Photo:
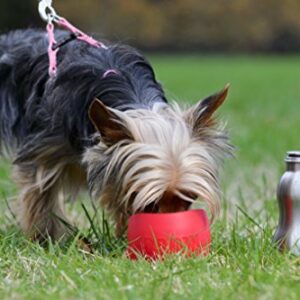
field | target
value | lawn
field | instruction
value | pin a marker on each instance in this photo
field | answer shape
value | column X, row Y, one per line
column 262, row 117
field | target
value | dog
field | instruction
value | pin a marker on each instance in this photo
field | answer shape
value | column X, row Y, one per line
column 102, row 124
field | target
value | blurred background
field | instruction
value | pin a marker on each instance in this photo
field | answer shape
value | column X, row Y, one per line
column 231, row 26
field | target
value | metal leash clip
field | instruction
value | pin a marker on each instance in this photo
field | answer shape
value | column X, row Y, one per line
column 47, row 12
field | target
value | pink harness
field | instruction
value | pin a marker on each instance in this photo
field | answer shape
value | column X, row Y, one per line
column 48, row 13
column 52, row 51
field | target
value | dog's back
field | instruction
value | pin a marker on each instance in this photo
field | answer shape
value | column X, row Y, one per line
column 33, row 104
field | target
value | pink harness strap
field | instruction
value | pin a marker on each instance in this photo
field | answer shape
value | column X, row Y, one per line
column 110, row 72
column 52, row 53
column 80, row 35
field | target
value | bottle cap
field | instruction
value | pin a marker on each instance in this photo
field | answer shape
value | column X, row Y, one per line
column 293, row 156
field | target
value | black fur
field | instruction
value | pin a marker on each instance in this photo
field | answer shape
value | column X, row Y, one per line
column 37, row 111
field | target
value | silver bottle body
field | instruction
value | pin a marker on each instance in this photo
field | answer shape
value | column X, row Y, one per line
column 287, row 235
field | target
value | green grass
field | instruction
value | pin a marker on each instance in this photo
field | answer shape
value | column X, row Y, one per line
column 262, row 118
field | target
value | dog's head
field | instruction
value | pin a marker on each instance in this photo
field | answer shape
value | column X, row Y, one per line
column 158, row 160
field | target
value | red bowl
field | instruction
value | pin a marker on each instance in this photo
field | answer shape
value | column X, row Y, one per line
column 153, row 235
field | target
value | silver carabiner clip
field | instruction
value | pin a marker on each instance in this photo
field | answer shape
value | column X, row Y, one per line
column 47, row 12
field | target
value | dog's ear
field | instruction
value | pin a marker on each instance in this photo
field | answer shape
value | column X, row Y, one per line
column 201, row 114
column 107, row 123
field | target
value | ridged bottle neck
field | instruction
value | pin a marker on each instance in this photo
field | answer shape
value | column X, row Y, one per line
column 293, row 161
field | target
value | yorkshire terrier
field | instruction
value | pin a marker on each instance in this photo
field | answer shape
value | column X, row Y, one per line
column 102, row 123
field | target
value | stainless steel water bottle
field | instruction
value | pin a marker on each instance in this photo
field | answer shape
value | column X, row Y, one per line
column 287, row 235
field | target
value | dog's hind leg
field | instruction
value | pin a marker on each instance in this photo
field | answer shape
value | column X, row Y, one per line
column 40, row 203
